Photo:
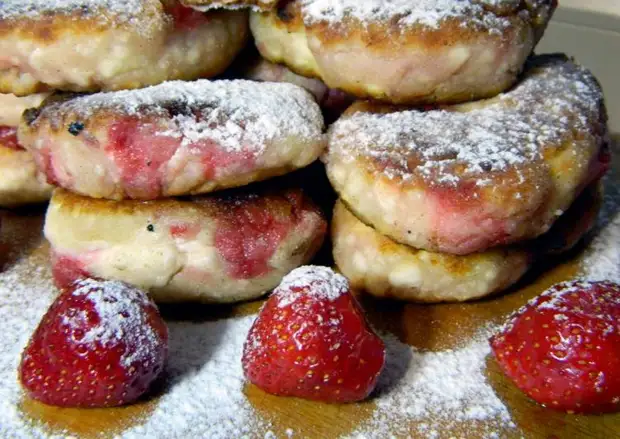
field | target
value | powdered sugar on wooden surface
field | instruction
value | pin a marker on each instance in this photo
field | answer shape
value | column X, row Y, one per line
column 319, row 282
column 237, row 115
column 555, row 99
column 479, row 15
column 433, row 392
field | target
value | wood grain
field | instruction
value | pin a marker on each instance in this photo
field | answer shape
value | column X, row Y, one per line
column 432, row 327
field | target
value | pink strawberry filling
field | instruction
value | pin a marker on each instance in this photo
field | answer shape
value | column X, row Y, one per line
column 143, row 156
column 67, row 269
column 141, row 153
column 186, row 18
column 185, row 231
column 248, row 236
column 8, row 138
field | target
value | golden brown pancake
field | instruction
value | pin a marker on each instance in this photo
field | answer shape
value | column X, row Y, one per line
column 220, row 248
column 402, row 51
column 385, row 268
column 176, row 138
column 92, row 45
column 464, row 178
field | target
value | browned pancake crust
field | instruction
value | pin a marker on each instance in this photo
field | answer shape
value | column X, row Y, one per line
column 382, row 40
column 152, row 30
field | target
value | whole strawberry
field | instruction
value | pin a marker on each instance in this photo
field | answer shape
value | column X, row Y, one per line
column 563, row 348
column 101, row 344
column 311, row 341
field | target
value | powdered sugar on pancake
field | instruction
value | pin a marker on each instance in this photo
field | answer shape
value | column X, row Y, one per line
column 479, row 15
column 237, row 115
column 126, row 10
column 555, row 99
column 141, row 16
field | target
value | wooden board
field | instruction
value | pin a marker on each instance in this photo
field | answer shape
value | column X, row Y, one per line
column 433, row 327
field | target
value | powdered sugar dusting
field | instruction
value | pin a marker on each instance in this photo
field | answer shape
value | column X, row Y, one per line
column 138, row 13
column 205, row 396
column 121, row 319
column 406, row 13
column 431, row 392
column 320, row 282
column 555, row 99
column 237, row 115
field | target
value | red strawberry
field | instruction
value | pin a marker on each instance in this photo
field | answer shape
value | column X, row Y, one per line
column 311, row 340
column 101, row 344
column 563, row 348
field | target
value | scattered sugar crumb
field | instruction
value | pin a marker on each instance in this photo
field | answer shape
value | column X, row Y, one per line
column 436, row 391
column 478, row 15
column 237, row 115
column 141, row 15
column 555, row 100
column 204, row 395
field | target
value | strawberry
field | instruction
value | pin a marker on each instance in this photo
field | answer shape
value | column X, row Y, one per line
column 101, row 344
column 311, row 341
column 563, row 348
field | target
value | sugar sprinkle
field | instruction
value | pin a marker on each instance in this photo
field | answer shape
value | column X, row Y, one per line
column 555, row 99
column 121, row 318
column 435, row 391
column 237, row 115
column 480, row 15
column 324, row 284
column 141, row 15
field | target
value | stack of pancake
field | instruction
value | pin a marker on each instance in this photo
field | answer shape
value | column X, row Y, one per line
column 93, row 45
column 462, row 159
column 134, row 152
column 466, row 158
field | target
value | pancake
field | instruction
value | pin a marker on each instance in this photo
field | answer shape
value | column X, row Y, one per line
column 252, row 66
column 221, row 248
column 384, row 268
column 206, row 5
column 403, row 51
column 93, row 45
column 20, row 183
column 464, row 178
column 173, row 139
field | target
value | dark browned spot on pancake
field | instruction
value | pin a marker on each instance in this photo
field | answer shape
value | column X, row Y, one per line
column 30, row 115
column 285, row 11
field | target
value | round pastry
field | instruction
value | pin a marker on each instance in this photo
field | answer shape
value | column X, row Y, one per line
column 92, row 45
column 173, row 139
column 221, row 248
column 19, row 182
column 469, row 177
column 384, row 268
column 403, row 51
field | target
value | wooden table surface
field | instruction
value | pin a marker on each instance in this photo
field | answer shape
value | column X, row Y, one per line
column 433, row 327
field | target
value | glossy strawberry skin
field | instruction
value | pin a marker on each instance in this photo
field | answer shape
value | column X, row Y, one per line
column 314, row 349
column 59, row 367
column 563, row 348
